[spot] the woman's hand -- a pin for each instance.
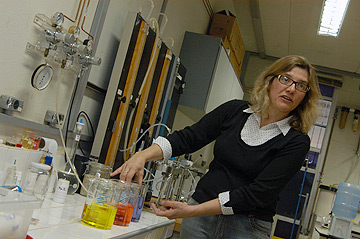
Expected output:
(135, 165)
(173, 209)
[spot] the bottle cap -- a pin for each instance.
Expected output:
(48, 160)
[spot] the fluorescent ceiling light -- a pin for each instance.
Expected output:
(332, 16)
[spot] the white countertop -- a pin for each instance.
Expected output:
(63, 221)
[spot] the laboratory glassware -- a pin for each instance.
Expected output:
(94, 170)
(126, 204)
(36, 180)
(139, 203)
(101, 203)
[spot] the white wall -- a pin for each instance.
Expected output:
(182, 120)
(344, 142)
(17, 66)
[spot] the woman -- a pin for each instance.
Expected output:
(259, 148)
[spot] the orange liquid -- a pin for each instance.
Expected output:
(123, 215)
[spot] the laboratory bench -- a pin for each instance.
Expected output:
(54, 220)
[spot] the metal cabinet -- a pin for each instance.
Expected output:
(211, 79)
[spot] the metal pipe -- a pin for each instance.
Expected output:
(77, 13)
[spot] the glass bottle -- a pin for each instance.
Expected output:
(95, 170)
(36, 180)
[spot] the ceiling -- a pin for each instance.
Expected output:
(288, 27)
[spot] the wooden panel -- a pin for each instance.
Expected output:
(159, 90)
(130, 82)
(143, 100)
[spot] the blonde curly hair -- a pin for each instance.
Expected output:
(305, 115)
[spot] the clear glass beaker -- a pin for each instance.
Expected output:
(95, 170)
(139, 203)
(101, 203)
(126, 204)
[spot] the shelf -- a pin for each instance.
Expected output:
(309, 170)
(315, 150)
(41, 128)
(320, 125)
(327, 98)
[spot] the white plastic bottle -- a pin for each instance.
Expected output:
(10, 178)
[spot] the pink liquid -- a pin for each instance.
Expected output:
(123, 215)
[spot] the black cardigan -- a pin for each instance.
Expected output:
(254, 175)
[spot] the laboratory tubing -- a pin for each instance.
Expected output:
(126, 204)
(61, 190)
(101, 203)
(94, 170)
(36, 180)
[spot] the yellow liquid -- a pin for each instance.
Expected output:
(98, 216)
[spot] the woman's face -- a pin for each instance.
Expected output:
(283, 98)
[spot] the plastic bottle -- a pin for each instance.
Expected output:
(61, 190)
(347, 200)
(42, 159)
(10, 178)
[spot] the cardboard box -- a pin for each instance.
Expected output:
(231, 53)
(225, 25)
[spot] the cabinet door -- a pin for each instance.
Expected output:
(225, 85)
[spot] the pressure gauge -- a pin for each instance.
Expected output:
(57, 18)
(42, 76)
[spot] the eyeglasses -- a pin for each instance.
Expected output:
(298, 85)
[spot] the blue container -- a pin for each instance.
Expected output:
(138, 209)
(347, 200)
(139, 203)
